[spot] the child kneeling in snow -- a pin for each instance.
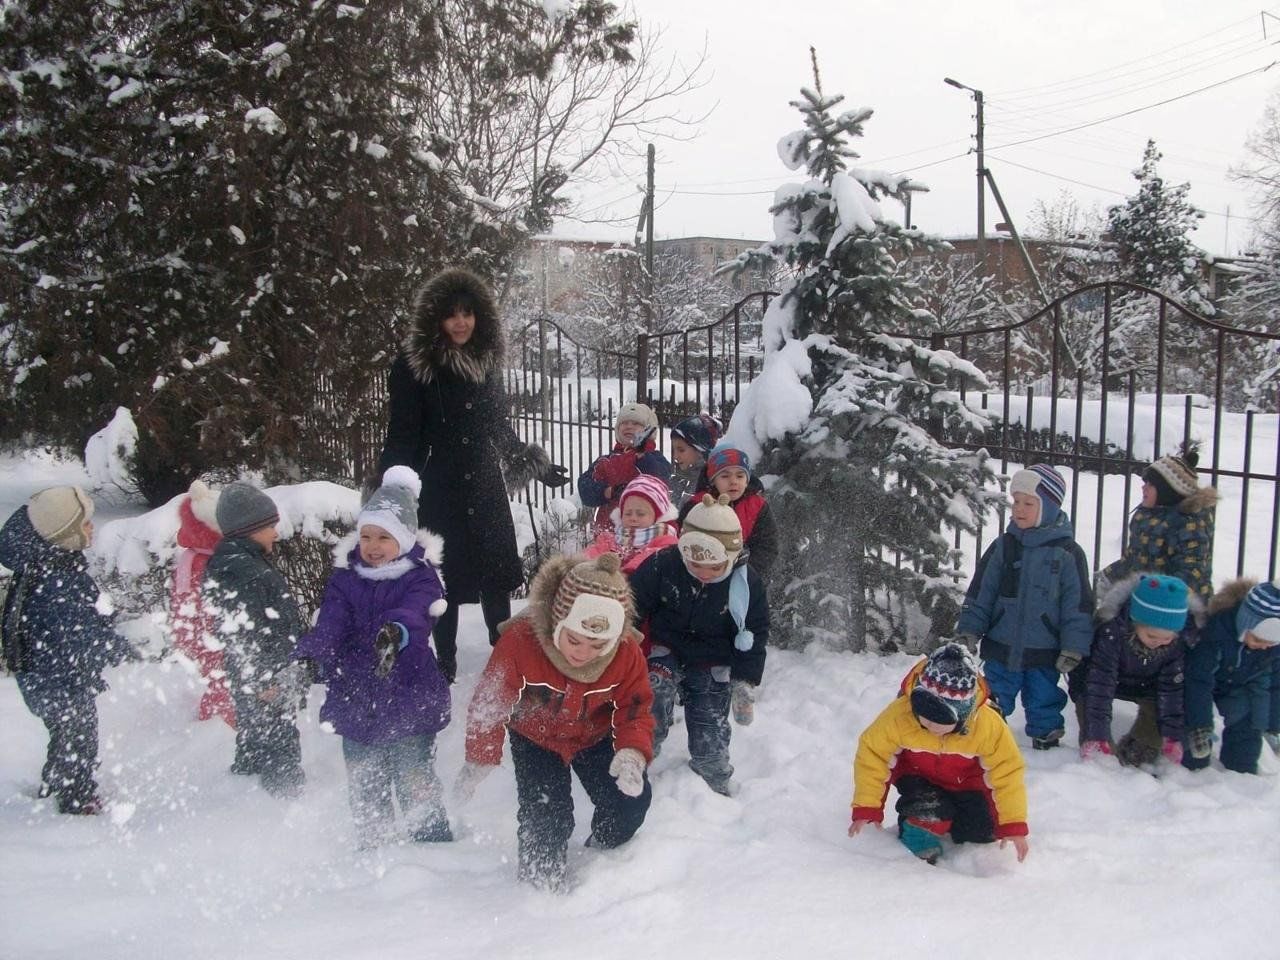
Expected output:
(1137, 655)
(568, 680)
(387, 698)
(1235, 666)
(641, 524)
(944, 744)
(707, 616)
(58, 637)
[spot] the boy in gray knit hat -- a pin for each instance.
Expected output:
(256, 616)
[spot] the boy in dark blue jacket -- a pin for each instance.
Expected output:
(59, 635)
(1236, 666)
(708, 622)
(255, 615)
(635, 451)
(1030, 605)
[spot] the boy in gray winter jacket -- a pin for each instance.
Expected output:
(1030, 605)
(255, 615)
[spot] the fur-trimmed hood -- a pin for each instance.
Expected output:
(1231, 594)
(1206, 498)
(542, 592)
(429, 550)
(429, 351)
(1113, 600)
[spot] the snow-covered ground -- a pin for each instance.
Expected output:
(192, 861)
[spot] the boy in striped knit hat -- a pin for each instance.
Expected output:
(1236, 667)
(1030, 607)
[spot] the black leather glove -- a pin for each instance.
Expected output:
(553, 475)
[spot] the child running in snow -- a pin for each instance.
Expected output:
(387, 698)
(193, 635)
(257, 619)
(58, 636)
(641, 524)
(568, 680)
(728, 473)
(691, 441)
(950, 754)
(1030, 606)
(635, 451)
(1235, 666)
(1137, 655)
(707, 617)
(1171, 531)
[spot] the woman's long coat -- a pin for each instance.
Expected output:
(448, 419)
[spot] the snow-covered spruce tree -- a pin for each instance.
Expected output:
(1150, 231)
(844, 416)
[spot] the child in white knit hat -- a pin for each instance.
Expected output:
(567, 680)
(58, 635)
(707, 617)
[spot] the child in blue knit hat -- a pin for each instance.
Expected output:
(1030, 607)
(1236, 667)
(1146, 623)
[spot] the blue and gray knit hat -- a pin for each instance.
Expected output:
(947, 688)
(700, 432)
(1045, 482)
(1159, 601)
(1260, 612)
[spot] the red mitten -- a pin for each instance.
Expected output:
(617, 469)
(1095, 748)
(1171, 750)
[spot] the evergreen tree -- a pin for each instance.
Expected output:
(1150, 231)
(846, 416)
(215, 213)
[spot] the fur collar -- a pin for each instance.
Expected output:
(427, 349)
(432, 545)
(1231, 594)
(1206, 498)
(542, 592)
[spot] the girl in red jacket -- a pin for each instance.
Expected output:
(728, 473)
(198, 534)
(568, 680)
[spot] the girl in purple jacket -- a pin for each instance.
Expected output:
(387, 698)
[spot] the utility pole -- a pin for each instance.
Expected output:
(646, 224)
(982, 171)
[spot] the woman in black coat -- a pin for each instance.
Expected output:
(448, 419)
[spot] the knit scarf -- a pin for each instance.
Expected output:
(630, 541)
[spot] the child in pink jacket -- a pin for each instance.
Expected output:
(641, 524)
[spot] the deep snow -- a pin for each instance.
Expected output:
(193, 862)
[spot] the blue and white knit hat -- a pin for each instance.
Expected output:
(394, 506)
(1159, 601)
(1046, 483)
(1260, 612)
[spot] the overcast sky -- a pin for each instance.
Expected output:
(1043, 67)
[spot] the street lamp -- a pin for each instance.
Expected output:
(982, 220)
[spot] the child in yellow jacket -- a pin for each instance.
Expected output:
(945, 746)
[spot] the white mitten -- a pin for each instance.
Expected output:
(628, 769)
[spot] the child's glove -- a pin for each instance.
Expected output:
(391, 639)
(1067, 661)
(742, 699)
(1171, 750)
(1273, 741)
(1091, 749)
(628, 769)
(470, 777)
(617, 469)
(1200, 743)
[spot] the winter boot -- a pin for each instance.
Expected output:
(1050, 740)
(920, 840)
